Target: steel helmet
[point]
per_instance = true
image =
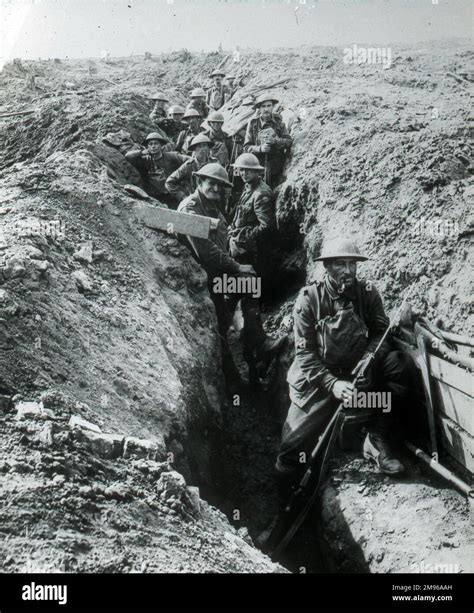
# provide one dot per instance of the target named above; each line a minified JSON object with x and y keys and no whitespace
{"x":158,"y":96}
{"x":199,"y":140}
{"x":215,"y":116}
{"x":230,"y":76}
{"x":214,"y":171}
{"x":197,"y":92}
{"x":340,"y":248}
{"x":249,"y":161}
{"x":156,"y":136}
{"x":176,"y":110}
{"x":217,"y":73}
{"x":191,"y":113}
{"x":265,"y":98}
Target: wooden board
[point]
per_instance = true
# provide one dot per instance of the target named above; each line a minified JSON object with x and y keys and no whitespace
{"x":451,"y":374}
{"x":173,"y":222}
{"x":454,"y":404}
{"x":457,"y":442}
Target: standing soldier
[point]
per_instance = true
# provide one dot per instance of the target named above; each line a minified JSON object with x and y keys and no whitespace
{"x":268,"y":138}
{"x":176,"y":113}
{"x":221,"y":141}
{"x":219,"y":93}
{"x":232,"y":86}
{"x":158,"y":114}
{"x":209,"y":200}
{"x":155,"y":165}
{"x":182,"y":182}
{"x":198,"y":102}
{"x":338,"y":322}
{"x":193,"y":120}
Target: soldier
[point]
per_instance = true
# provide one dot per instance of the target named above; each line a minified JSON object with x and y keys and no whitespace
{"x":158,"y":114}
{"x":232,"y":86}
{"x":268,"y":138}
{"x":254,"y":222}
{"x":337,"y":322}
{"x":219,"y":93}
{"x":222,"y":269}
{"x":155,"y":165}
{"x":193,"y":120}
{"x":182,"y":182}
{"x":176,"y":113}
{"x":221,"y":141}
{"x":198,"y":102}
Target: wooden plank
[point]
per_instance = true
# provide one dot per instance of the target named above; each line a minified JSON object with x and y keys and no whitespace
{"x":455,"y":405}
{"x":458,"y":443}
{"x":451,"y":374}
{"x":173,"y":222}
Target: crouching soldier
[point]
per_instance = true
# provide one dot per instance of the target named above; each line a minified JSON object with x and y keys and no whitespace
{"x":268,"y":139}
{"x":155,"y":166}
{"x":224,"y":271}
{"x":183,"y":182}
{"x":337,"y":322}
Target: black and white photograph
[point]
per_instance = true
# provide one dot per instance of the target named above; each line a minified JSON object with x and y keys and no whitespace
{"x":236,"y":304}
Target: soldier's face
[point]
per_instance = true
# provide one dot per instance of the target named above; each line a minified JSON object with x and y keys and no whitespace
{"x":154,"y":146}
{"x":160,"y":104}
{"x":194,"y":122}
{"x":218,"y":80}
{"x":342,"y":270}
{"x":266,"y":108}
{"x":201,"y":153}
{"x":249,"y":175}
{"x":216,"y":126}
{"x":212,"y":190}
{"x":177,"y":117}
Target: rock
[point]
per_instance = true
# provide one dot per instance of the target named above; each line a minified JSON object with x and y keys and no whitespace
{"x":4,"y":296}
{"x":28,"y":410}
{"x":104,"y":445}
{"x":171,"y":484}
{"x":83,"y":283}
{"x":79,"y":422}
{"x":140,"y":448}
{"x":118,"y":491}
{"x":193,"y":499}
{"x":58,"y":480}
{"x":84,"y":254}
{"x":45,"y":435}
{"x":14,"y":269}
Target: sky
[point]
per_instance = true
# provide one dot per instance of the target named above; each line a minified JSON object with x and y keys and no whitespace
{"x":32,"y":29}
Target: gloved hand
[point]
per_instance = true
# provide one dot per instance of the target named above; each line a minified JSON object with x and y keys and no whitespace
{"x":362,"y":372}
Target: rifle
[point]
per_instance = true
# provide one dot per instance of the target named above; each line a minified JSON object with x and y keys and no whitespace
{"x":299,"y":497}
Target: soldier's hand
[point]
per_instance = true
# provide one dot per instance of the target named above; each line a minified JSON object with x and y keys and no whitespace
{"x":342,"y":389}
{"x":266,"y":148}
{"x":246,"y":270}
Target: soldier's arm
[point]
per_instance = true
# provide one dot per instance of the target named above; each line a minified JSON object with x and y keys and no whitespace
{"x":263,"y":208}
{"x":377,"y":320}
{"x":249,"y":143}
{"x":174,"y":183}
{"x":211,"y":256}
{"x":284,"y":140}
{"x":227,"y":94}
{"x":135,"y":158}
{"x":306,"y":346}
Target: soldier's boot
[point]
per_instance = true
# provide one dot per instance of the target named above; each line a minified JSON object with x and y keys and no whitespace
{"x":377,"y":449}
